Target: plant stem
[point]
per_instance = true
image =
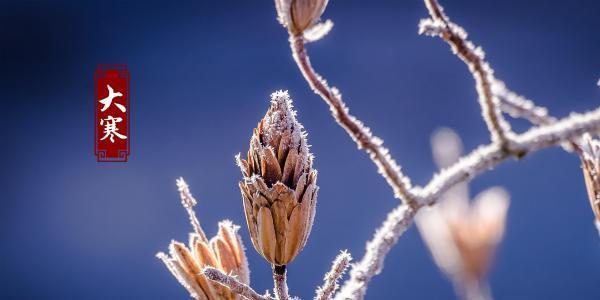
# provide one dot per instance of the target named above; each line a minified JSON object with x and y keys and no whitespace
{"x":280,"y":281}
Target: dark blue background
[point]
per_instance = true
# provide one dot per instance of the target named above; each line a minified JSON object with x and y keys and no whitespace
{"x":202,"y":72}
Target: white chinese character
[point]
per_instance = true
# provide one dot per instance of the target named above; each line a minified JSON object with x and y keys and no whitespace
{"x":108,"y":100}
{"x":110,"y":128}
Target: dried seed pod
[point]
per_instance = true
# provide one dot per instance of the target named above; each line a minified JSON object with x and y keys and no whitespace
{"x":590,"y":161}
{"x":299,"y":15}
{"x":225,"y":251}
{"x":279,"y":188}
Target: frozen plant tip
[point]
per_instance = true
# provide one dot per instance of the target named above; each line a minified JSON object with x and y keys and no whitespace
{"x":279,"y":188}
{"x":590,"y":161}
{"x":338,"y":268}
{"x":225,"y":252}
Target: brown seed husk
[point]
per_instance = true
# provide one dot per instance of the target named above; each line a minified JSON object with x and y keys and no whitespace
{"x":592,"y":184}
{"x":279,"y":187}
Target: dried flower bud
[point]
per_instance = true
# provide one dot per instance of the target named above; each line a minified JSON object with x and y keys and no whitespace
{"x":299,"y":15}
{"x":478,"y":233}
{"x":462,"y":237}
{"x":590,"y":161}
{"x":279,"y":188}
{"x":225,"y":251}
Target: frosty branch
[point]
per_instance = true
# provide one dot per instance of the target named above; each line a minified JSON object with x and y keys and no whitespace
{"x":493,"y":97}
{"x":233,"y":284}
{"x":362,"y":135}
{"x":474,"y":57}
{"x":338,"y":268}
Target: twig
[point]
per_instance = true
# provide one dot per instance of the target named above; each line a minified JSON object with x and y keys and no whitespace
{"x":233,"y":284}
{"x":361,"y":134}
{"x":518,"y":106}
{"x":338,"y":268}
{"x":386,"y":236}
{"x":188,"y":201}
{"x":474,"y":58}
{"x":280,"y":281}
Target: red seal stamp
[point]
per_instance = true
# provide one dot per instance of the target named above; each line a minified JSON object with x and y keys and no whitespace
{"x":111,"y":113}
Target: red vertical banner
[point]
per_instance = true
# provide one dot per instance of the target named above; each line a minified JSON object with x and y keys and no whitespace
{"x":111,"y":113}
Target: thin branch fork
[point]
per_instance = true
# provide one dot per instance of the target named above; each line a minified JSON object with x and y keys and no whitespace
{"x":494,"y":93}
{"x":518,"y":106}
{"x":494,"y":96}
{"x":473,"y":57}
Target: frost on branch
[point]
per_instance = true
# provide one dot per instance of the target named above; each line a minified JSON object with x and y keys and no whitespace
{"x":518,"y":106}
{"x":360,"y":133}
{"x":385,"y":237}
{"x":233,"y":284}
{"x":188,"y":202}
{"x":431,"y":27}
{"x":474,"y":57}
{"x":318,"y":31}
{"x":338,"y":268}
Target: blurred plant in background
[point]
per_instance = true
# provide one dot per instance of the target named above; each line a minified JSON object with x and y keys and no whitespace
{"x":463,"y":236}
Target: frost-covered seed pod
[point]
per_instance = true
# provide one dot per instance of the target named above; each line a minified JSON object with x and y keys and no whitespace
{"x":279,"y":188}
